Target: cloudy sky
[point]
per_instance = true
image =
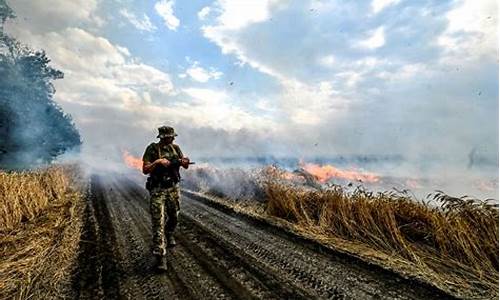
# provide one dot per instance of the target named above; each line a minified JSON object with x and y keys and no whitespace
{"x":271,"y":77}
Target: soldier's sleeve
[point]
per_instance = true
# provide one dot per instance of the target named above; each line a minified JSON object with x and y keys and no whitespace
{"x":149,"y":154}
{"x":178,"y":150}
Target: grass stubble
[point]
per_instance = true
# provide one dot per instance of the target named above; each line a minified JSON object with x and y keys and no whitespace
{"x":40,"y":226}
{"x":448,"y":242}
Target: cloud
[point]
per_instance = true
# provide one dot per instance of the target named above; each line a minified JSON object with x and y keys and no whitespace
{"x":199,"y":74}
{"x":204,"y":12}
{"x":123,"y":50}
{"x":165,"y":8}
{"x":472,"y":31}
{"x":233,"y":18}
{"x":109,"y":92}
{"x":345,"y":82}
{"x":327,"y":61}
{"x":237,"y":15}
{"x":307,"y":104}
{"x":220,"y":37}
{"x":379,"y":5}
{"x":202,"y":75}
{"x":143,"y":24}
{"x":54,"y":14}
{"x":89,"y":61}
{"x":104,"y":87}
{"x":376,"y":39}
{"x":301,"y":103}
{"x":214,"y":108}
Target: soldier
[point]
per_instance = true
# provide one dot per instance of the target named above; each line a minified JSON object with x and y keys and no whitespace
{"x":162,"y":162}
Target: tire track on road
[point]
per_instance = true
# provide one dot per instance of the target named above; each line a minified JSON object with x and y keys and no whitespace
{"x":187,"y":276}
{"x":218,"y":256}
{"x":324,"y":275}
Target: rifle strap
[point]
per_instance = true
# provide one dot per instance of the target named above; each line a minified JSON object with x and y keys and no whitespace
{"x":158,"y":147}
{"x":175,"y":151}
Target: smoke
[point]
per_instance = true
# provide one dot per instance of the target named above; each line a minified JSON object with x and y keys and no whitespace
{"x":234,"y":158}
{"x":33,"y":128}
{"x":413,"y":122}
{"x":236,"y":183}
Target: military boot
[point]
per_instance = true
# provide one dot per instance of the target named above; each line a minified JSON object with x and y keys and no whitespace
{"x":170,"y":239}
{"x":161,"y":263}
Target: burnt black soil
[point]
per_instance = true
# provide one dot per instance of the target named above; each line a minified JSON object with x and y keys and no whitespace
{"x":219,"y":256}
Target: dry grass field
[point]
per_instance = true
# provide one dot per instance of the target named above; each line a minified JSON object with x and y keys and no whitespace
{"x":447,"y":241}
{"x":40,"y":225}
{"x":454,"y":245}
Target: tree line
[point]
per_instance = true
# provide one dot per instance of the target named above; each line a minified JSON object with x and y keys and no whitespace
{"x":34,"y":130}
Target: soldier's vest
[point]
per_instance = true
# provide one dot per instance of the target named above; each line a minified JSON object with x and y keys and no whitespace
{"x":162,"y":176}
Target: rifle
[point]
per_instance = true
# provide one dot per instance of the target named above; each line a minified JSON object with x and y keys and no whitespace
{"x":166,"y":180}
{"x":177,"y":162}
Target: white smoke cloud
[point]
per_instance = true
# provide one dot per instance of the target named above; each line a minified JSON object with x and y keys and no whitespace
{"x":424,"y":85}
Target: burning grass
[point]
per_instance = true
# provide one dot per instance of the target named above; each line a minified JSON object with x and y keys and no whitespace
{"x":447,"y":241}
{"x":40,"y":224}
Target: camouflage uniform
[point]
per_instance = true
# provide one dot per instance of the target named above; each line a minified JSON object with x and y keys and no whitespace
{"x":164,"y":200}
{"x":164,"y":204}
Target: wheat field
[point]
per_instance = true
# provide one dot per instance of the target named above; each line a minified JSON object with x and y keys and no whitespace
{"x":40,"y":226}
{"x":451,"y":242}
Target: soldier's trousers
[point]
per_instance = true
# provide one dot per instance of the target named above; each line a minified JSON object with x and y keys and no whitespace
{"x":164,"y":208}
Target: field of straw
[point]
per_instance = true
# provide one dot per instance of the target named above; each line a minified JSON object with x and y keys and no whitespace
{"x":454,"y":245}
{"x":40,"y":225}
{"x":449,"y":242}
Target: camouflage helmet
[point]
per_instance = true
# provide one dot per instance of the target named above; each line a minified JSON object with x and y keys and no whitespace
{"x":166,"y":131}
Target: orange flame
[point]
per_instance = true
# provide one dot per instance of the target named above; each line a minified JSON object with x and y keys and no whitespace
{"x":132,"y":161}
{"x":273,"y":171}
{"x":326,"y":172}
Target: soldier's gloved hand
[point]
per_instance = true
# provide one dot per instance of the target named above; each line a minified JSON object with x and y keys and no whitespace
{"x":165,"y":162}
{"x":185,"y":162}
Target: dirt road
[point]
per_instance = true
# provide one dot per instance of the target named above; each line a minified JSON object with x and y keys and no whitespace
{"x":218,"y":256}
